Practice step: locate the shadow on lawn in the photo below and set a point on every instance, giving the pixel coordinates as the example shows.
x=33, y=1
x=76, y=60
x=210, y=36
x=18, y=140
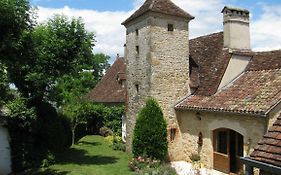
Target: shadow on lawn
x=80, y=157
x=44, y=172
x=88, y=143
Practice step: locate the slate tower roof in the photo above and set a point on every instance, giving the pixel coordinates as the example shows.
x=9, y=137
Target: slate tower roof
x=166, y=7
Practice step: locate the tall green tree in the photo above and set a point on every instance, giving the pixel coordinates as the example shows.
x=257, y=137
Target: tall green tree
x=150, y=133
x=57, y=50
x=15, y=18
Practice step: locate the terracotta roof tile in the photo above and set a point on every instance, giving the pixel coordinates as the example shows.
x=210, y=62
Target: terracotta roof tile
x=159, y=6
x=269, y=149
x=208, y=53
x=110, y=89
x=253, y=92
x=265, y=60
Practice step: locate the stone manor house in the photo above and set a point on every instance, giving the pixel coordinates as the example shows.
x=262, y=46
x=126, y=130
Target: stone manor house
x=220, y=99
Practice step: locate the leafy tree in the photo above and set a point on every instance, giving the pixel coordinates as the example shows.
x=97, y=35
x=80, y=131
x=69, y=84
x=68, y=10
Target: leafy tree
x=61, y=47
x=3, y=84
x=150, y=133
x=15, y=17
x=73, y=112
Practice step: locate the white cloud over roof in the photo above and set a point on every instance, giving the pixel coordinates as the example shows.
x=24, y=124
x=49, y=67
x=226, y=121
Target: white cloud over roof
x=110, y=34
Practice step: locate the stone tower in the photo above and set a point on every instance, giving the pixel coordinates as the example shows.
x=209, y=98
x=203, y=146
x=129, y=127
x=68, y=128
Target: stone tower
x=157, y=58
x=236, y=28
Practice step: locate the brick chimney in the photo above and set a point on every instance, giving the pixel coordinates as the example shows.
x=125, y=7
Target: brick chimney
x=236, y=24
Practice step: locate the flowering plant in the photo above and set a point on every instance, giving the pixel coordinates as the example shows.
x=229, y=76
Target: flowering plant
x=142, y=162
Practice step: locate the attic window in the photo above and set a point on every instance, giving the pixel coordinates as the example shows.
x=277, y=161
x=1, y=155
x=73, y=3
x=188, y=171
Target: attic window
x=137, y=32
x=170, y=27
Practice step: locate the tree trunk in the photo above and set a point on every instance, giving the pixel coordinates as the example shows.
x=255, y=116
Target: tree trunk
x=73, y=136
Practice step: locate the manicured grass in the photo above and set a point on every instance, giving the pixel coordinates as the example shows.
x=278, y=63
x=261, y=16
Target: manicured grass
x=90, y=156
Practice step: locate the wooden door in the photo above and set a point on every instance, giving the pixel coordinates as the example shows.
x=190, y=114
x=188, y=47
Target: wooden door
x=221, y=150
x=239, y=151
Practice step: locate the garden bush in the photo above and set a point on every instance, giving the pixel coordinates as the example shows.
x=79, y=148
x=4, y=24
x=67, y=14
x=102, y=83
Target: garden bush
x=150, y=133
x=116, y=143
x=105, y=116
x=35, y=134
x=104, y=131
x=21, y=125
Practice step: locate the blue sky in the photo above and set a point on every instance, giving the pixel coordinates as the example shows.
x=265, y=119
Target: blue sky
x=101, y=5
x=126, y=5
x=104, y=18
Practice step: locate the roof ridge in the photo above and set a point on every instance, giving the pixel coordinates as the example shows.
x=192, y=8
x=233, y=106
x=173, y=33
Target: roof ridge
x=206, y=36
x=268, y=51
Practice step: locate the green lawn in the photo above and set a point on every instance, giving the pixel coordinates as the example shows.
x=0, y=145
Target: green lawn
x=90, y=156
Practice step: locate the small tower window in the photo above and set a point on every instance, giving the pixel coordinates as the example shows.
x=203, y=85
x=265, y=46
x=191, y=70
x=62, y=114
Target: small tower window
x=172, y=134
x=170, y=27
x=137, y=49
x=137, y=32
x=137, y=88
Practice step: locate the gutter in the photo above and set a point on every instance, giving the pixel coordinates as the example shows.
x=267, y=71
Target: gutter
x=261, y=165
x=257, y=114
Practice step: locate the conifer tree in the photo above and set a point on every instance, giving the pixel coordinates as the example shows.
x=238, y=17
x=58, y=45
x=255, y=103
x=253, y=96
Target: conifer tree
x=150, y=133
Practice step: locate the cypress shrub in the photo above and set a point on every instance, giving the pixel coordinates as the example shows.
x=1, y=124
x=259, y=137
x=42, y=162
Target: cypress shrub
x=150, y=132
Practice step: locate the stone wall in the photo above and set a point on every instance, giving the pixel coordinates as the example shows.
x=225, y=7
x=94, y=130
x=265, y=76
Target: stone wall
x=160, y=69
x=252, y=129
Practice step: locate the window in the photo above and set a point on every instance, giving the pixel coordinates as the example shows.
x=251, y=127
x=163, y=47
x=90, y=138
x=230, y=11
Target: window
x=137, y=32
x=221, y=145
x=137, y=88
x=172, y=134
x=170, y=27
x=137, y=49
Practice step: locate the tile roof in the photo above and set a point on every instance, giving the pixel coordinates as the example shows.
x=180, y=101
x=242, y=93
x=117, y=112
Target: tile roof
x=208, y=53
x=110, y=89
x=254, y=92
x=268, y=149
x=265, y=60
x=159, y=6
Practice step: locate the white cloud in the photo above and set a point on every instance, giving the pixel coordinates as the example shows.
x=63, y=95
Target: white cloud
x=266, y=33
x=110, y=34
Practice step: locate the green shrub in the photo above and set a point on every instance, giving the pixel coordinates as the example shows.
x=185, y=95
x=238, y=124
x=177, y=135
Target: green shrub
x=150, y=133
x=119, y=147
x=35, y=134
x=21, y=125
x=49, y=160
x=53, y=130
x=116, y=143
x=113, y=119
x=194, y=157
x=104, y=131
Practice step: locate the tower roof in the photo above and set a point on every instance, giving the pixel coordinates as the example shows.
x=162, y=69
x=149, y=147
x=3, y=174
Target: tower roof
x=166, y=7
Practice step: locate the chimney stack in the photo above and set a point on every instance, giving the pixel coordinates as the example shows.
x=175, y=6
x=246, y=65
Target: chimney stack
x=236, y=32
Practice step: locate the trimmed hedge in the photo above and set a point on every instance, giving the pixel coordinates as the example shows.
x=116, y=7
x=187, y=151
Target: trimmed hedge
x=150, y=133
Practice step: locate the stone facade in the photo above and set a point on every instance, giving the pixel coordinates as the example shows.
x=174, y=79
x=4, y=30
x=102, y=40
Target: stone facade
x=251, y=128
x=157, y=65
